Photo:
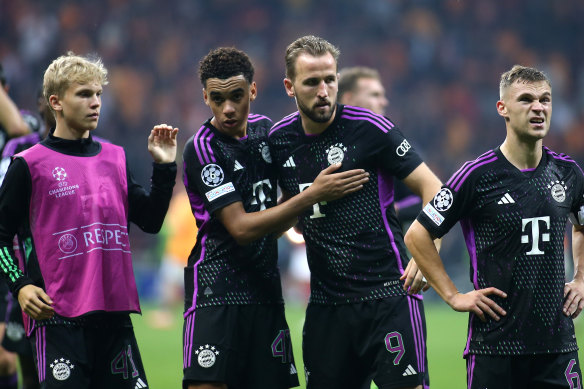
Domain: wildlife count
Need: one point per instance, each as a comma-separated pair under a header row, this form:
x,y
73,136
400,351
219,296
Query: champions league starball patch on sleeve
x,y
212,175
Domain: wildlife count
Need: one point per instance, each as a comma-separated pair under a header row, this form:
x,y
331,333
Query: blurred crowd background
x,y
440,62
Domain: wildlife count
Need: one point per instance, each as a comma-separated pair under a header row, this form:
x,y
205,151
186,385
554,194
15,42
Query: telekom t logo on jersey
x,y
536,236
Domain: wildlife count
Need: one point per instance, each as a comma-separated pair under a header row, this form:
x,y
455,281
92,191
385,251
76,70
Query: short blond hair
x,y
69,69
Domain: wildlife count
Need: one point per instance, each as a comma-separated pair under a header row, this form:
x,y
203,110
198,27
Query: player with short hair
x,y
235,331
361,86
360,323
513,203
77,197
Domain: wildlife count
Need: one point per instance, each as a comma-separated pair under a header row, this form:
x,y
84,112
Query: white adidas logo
x,y
409,371
237,166
293,369
507,199
140,384
289,162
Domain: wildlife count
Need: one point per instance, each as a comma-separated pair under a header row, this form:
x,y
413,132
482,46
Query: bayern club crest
x,y
443,200
61,369
336,153
207,356
558,191
212,175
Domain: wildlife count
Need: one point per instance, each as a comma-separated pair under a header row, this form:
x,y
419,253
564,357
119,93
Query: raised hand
x,y
162,143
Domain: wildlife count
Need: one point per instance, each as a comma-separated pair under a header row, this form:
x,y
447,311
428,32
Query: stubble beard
x,y
313,115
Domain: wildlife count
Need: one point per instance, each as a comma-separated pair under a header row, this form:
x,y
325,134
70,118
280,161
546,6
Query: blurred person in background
x,y
513,203
235,330
178,233
352,333
361,86
76,196
12,124
15,339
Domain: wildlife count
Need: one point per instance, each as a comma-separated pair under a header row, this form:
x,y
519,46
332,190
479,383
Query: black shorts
x,y
540,371
88,357
15,339
244,346
347,346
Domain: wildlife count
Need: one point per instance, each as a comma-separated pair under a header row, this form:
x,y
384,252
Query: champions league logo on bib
x,y
207,356
59,173
212,175
558,191
61,369
336,153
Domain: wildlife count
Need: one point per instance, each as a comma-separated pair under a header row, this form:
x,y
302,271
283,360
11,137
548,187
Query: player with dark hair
x,y
77,197
360,323
235,330
513,203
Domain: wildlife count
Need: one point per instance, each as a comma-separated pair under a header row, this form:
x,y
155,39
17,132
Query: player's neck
x,y
311,127
522,155
65,132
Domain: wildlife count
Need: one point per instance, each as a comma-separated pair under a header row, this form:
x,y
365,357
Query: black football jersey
x,y
514,224
354,245
220,170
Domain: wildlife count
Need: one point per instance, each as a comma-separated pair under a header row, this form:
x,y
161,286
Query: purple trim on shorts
x,y
418,330
408,202
367,114
562,157
470,365
202,143
41,350
284,122
188,340
385,188
461,175
254,117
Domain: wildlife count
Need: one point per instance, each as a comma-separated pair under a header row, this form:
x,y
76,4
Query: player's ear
x,y
55,103
289,87
502,108
253,91
205,96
